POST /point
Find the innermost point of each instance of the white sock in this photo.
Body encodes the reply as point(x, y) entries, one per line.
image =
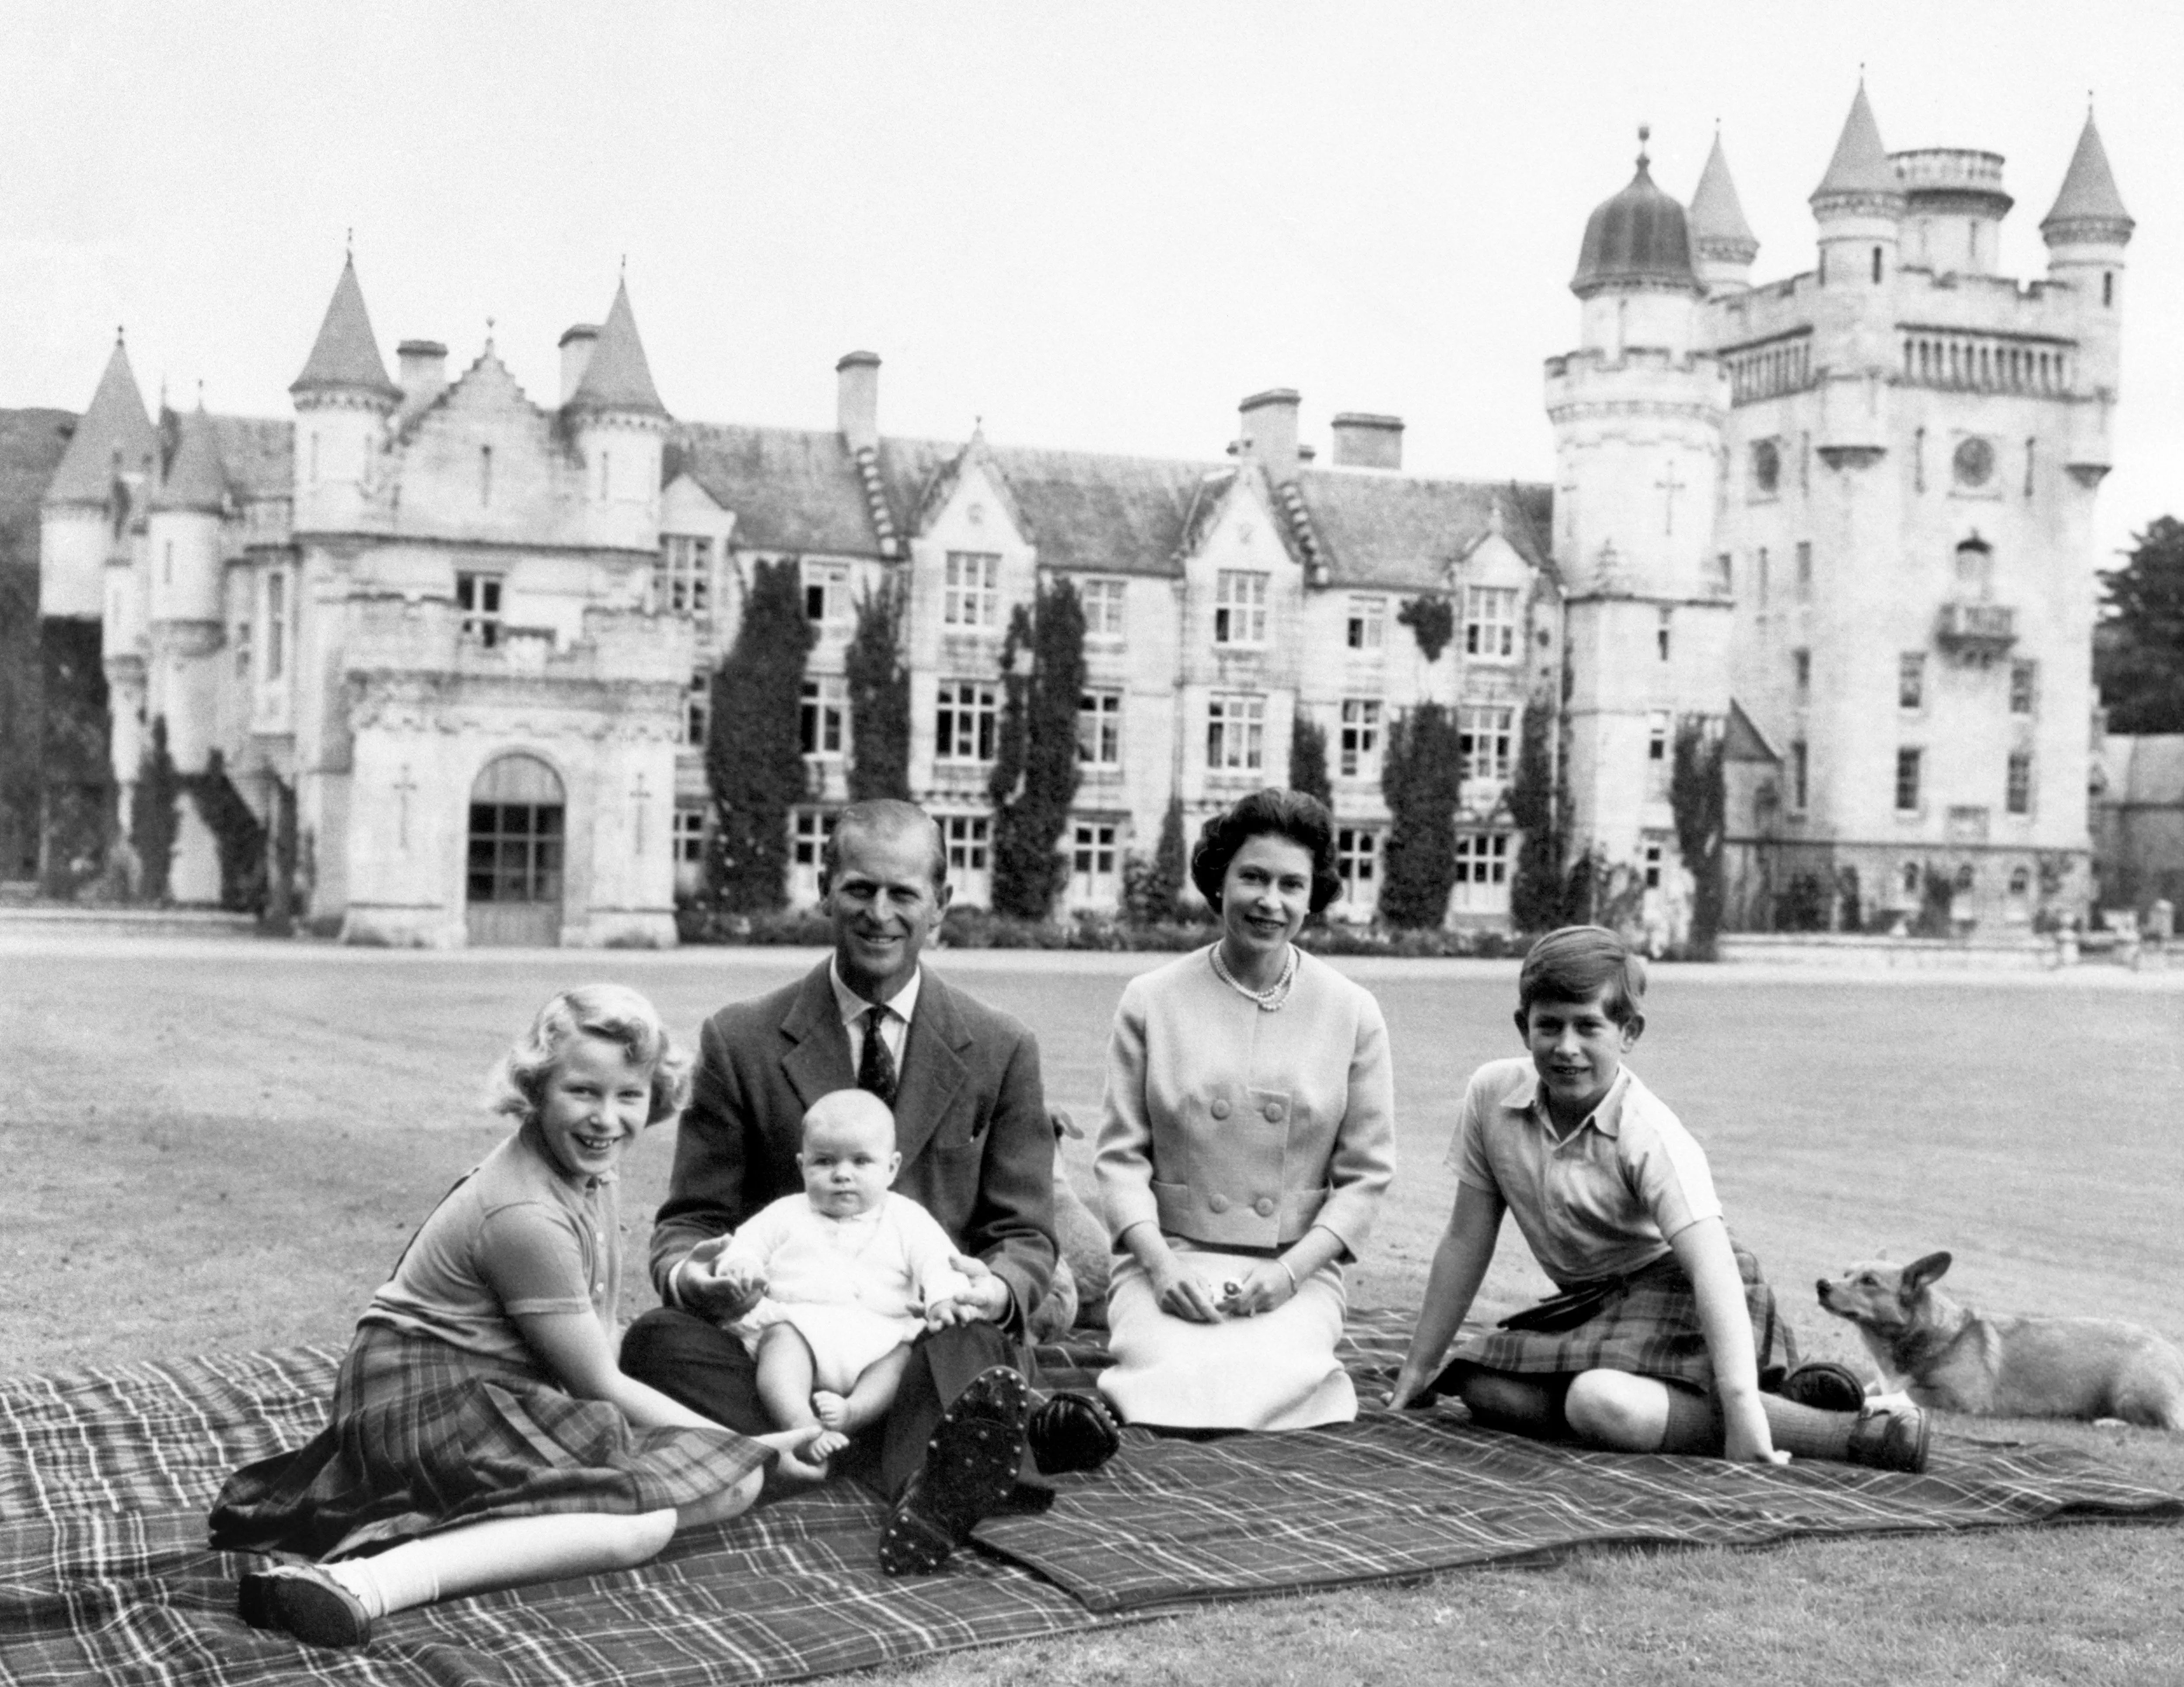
point(394, 1580)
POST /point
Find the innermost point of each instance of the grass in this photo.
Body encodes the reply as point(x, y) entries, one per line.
point(226, 1149)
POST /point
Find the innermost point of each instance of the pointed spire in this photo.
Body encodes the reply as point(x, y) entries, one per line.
point(114, 430)
point(2088, 206)
point(618, 377)
point(345, 357)
point(196, 478)
point(1717, 217)
point(1860, 166)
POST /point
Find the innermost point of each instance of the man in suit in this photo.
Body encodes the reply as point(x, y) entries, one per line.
point(978, 1154)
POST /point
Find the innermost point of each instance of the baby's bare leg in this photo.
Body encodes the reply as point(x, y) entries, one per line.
point(784, 1376)
point(874, 1392)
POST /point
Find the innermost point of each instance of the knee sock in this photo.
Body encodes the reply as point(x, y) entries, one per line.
point(1805, 1432)
point(1694, 1424)
point(1520, 1405)
point(501, 1552)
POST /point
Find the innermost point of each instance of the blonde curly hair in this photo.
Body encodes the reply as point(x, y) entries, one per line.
point(517, 1083)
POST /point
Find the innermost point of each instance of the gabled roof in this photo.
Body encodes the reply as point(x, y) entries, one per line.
point(345, 357)
point(2088, 193)
point(1404, 533)
point(1743, 741)
point(792, 489)
point(114, 423)
point(1860, 165)
point(617, 377)
point(194, 477)
point(1717, 217)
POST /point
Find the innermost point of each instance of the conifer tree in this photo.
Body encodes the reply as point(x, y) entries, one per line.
point(1698, 797)
point(1539, 887)
point(754, 760)
point(879, 699)
point(153, 820)
point(2138, 651)
point(1035, 772)
point(1308, 759)
point(1422, 777)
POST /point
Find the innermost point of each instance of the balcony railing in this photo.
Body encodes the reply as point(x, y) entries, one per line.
point(1976, 629)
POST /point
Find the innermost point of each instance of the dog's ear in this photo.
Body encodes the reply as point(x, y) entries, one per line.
point(1922, 1272)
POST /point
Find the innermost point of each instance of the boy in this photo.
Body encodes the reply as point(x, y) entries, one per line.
point(1657, 1341)
point(830, 1283)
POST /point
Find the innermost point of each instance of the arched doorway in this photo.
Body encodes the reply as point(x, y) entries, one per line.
point(513, 882)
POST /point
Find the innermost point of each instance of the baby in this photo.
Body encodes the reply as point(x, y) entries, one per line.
point(834, 1283)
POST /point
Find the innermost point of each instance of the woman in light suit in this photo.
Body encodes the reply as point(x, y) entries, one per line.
point(1248, 1136)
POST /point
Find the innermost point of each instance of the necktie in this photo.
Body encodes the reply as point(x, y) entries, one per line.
point(876, 1069)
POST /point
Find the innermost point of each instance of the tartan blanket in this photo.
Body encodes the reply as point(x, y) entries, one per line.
point(104, 1575)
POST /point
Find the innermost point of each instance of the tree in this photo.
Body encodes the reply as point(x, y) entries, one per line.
point(153, 820)
point(1697, 798)
point(879, 699)
point(1308, 759)
point(1035, 772)
point(1539, 890)
point(1151, 888)
point(1422, 777)
point(754, 756)
point(2138, 651)
point(75, 777)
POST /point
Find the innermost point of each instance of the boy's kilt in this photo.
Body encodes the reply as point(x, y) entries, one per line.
point(425, 1436)
point(1646, 1323)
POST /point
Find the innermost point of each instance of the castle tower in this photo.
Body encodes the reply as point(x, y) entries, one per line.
point(342, 401)
point(1722, 242)
point(1637, 416)
point(1859, 207)
point(618, 425)
point(84, 517)
point(2086, 232)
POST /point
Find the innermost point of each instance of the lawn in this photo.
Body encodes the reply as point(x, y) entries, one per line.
point(226, 1148)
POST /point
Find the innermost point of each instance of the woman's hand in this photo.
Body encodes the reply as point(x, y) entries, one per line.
point(1261, 1289)
point(1181, 1293)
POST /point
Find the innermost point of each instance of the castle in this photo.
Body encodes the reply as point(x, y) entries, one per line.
point(459, 641)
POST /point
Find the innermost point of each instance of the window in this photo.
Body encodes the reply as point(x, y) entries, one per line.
point(1907, 780)
point(1800, 775)
point(1490, 622)
point(1368, 627)
point(1102, 600)
point(823, 714)
point(478, 597)
point(2024, 687)
point(690, 837)
point(1092, 860)
point(827, 592)
point(1804, 570)
point(1650, 858)
point(698, 707)
point(1483, 736)
point(1910, 879)
point(1239, 607)
point(682, 578)
point(1099, 728)
point(809, 829)
point(2017, 793)
point(968, 838)
point(1235, 732)
point(276, 624)
point(969, 592)
point(1801, 673)
point(1482, 872)
point(1657, 754)
point(963, 727)
point(1911, 680)
point(1661, 628)
point(1357, 864)
point(2020, 881)
point(1360, 747)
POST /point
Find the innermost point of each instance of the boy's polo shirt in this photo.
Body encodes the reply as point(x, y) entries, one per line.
point(1602, 1201)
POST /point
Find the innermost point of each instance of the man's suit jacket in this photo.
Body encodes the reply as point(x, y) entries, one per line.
point(970, 1122)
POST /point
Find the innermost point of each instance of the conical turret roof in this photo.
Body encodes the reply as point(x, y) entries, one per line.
point(345, 358)
point(1717, 215)
point(2089, 193)
point(1860, 165)
point(114, 429)
point(195, 478)
point(617, 377)
point(1637, 238)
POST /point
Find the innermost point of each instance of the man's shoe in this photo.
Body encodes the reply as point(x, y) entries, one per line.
point(969, 1470)
point(1891, 1441)
point(1825, 1386)
point(1071, 1432)
point(303, 1600)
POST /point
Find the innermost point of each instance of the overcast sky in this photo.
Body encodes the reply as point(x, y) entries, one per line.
point(1096, 225)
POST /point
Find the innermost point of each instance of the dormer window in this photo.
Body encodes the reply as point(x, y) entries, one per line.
point(1239, 607)
point(971, 590)
point(1490, 622)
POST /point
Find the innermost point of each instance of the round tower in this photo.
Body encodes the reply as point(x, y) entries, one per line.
point(342, 401)
point(182, 552)
point(1859, 207)
point(617, 427)
point(1722, 241)
point(1953, 205)
point(2086, 232)
point(84, 515)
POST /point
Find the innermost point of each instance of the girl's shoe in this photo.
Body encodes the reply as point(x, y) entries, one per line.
point(304, 1601)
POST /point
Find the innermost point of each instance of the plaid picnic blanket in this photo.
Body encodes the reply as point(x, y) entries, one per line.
point(104, 1574)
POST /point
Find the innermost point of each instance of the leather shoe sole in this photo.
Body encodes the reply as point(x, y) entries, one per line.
point(304, 1601)
point(969, 1467)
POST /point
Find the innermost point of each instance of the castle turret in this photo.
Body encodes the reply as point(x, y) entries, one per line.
point(2086, 232)
point(618, 425)
point(182, 551)
point(342, 401)
point(95, 490)
point(1859, 207)
point(1952, 209)
point(1724, 245)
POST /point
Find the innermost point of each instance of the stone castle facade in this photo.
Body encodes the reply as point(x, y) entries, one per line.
point(467, 634)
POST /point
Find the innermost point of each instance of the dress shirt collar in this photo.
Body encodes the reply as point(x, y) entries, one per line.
point(852, 1006)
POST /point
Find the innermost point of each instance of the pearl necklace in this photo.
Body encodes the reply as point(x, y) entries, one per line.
point(1268, 1000)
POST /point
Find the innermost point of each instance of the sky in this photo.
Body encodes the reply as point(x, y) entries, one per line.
point(1096, 225)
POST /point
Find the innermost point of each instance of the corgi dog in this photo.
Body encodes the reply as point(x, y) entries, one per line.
point(1951, 1357)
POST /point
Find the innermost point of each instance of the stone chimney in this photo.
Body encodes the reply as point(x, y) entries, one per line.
point(576, 345)
point(857, 400)
point(1270, 432)
point(1363, 440)
point(424, 365)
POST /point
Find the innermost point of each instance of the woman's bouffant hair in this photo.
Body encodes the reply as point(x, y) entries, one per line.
point(1301, 818)
point(1573, 963)
point(613, 1012)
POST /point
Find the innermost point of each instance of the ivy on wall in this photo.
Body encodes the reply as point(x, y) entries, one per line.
point(153, 819)
point(1422, 777)
point(1697, 798)
point(879, 699)
point(1036, 770)
point(1308, 759)
point(754, 761)
point(1432, 622)
point(237, 835)
point(76, 779)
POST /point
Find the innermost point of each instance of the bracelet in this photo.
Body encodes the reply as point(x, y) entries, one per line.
point(1287, 1272)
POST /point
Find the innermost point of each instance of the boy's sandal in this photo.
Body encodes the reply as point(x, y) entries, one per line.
point(1823, 1385)
point(304, 1601)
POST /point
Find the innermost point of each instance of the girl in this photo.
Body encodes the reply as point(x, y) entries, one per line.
point(482, 1434)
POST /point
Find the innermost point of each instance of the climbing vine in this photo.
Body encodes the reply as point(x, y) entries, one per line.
point(753, 759)
point(1539, 888)
point(1035, 772)
point(1308, 759)
point(237, 835)
point(1432, 622)
point(1422, 777)
point(1698, 799)
point(879, 699)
